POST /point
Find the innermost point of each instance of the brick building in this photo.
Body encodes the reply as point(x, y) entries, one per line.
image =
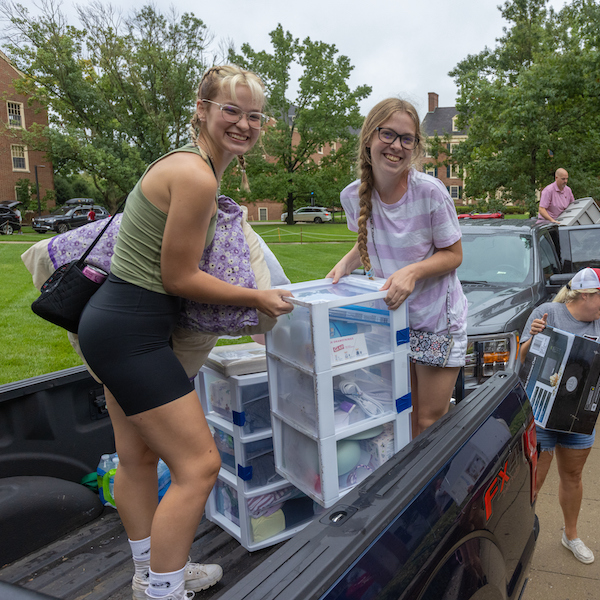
point(442, 121)
point(17, 161)
point(272, 209)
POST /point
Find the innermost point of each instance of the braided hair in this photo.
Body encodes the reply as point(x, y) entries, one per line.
point(380, 113)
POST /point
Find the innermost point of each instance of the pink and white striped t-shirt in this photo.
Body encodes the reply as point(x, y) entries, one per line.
point(409, 231)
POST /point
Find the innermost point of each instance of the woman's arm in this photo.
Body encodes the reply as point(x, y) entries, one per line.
point(537, 326)
point(345, 266)
point(191, 188)
point(402, 283)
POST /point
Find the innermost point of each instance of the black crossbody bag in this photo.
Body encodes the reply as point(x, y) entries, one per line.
point(66, 292)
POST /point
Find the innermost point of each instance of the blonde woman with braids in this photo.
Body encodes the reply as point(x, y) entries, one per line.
point(124, 334)
point(576, 309)
point(408, 232)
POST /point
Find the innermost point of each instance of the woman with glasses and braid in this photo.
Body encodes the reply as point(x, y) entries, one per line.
point(125, 330)
point(408, 233)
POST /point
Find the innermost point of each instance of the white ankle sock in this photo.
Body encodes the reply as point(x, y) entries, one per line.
point(163, 584)
point(140, 549)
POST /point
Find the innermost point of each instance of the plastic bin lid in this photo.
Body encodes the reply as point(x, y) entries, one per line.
point(238, 359)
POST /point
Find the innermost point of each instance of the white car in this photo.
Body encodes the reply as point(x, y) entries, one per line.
point(312, 214)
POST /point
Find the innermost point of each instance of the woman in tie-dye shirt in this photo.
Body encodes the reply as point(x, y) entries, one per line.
point(408, 232)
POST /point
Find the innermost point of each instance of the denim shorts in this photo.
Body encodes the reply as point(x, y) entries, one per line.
point(459, 349)
point(549, 439)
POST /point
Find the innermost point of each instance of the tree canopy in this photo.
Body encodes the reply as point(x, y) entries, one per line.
point(120, 91)
point(318, 110)
point(532, 104)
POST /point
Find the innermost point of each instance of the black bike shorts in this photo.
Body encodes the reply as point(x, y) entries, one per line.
point(124, 334)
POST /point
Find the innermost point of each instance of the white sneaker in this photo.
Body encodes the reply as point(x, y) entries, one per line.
point(178, 594)
point(197, 577)
point(581, 552)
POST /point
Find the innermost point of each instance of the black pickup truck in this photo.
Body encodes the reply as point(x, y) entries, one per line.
point(450, 517)
point(509, 267)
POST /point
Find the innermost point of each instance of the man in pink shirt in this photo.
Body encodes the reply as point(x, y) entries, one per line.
point(555, 198)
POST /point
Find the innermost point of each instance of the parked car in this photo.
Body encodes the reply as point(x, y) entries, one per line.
point(86, 201)
point(312, 214)
point(509, 267)
point(9, 221)
point(67, 217)
point(487, 215)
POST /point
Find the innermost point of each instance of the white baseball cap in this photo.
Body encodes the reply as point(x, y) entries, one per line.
point(586, 279)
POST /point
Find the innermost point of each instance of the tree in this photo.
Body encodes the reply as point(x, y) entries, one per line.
point(323, 111)
point(531, 104)
point(120, 91)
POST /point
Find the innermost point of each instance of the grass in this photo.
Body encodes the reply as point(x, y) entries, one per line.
point(32, 346)
point(304, 233)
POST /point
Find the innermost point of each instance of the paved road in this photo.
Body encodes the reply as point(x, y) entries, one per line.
point(555, 574)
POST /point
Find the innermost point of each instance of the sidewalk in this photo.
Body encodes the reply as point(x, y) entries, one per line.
point(555, 574)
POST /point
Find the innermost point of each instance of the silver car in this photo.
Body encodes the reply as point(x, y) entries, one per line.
point(311, 214)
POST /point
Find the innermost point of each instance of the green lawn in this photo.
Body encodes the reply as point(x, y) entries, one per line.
point(32, 346)
point(304, 233)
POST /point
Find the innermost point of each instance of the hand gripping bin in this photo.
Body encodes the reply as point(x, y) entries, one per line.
point(338, 372)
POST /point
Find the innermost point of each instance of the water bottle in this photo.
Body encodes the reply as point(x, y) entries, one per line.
point(106, 485)
point(94, 273)
point(104, 466)
point(164, 478)
point(111, 481)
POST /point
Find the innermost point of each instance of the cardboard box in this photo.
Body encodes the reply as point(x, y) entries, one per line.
point(561, 376)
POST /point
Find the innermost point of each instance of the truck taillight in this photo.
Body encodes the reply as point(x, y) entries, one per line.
point(530, 448)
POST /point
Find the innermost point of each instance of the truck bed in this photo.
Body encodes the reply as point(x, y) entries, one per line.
point(453, 508)
point(94, 562)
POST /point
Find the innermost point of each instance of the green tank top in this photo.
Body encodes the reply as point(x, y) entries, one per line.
point(137, 252)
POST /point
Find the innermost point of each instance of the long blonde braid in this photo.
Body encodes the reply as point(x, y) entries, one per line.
point(380, 113)
point(364, 195)
point(242, 163)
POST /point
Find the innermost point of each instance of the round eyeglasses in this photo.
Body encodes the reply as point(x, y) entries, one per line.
point(389, 136)
point(233, 114)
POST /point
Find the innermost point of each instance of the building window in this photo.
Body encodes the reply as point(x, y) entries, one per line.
point(454, 123)
point(15, 115)
point(432, 172)
point(320, 150)
point(454, 192)
point(453, 147)
point(426, 151)
point(454, 172)
point(262, 214)
point(19, 158)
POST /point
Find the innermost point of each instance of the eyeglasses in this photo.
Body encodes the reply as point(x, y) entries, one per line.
point(233, 114)
point(389, 136)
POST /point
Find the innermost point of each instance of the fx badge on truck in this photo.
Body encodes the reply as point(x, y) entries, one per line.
point(496, 486)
